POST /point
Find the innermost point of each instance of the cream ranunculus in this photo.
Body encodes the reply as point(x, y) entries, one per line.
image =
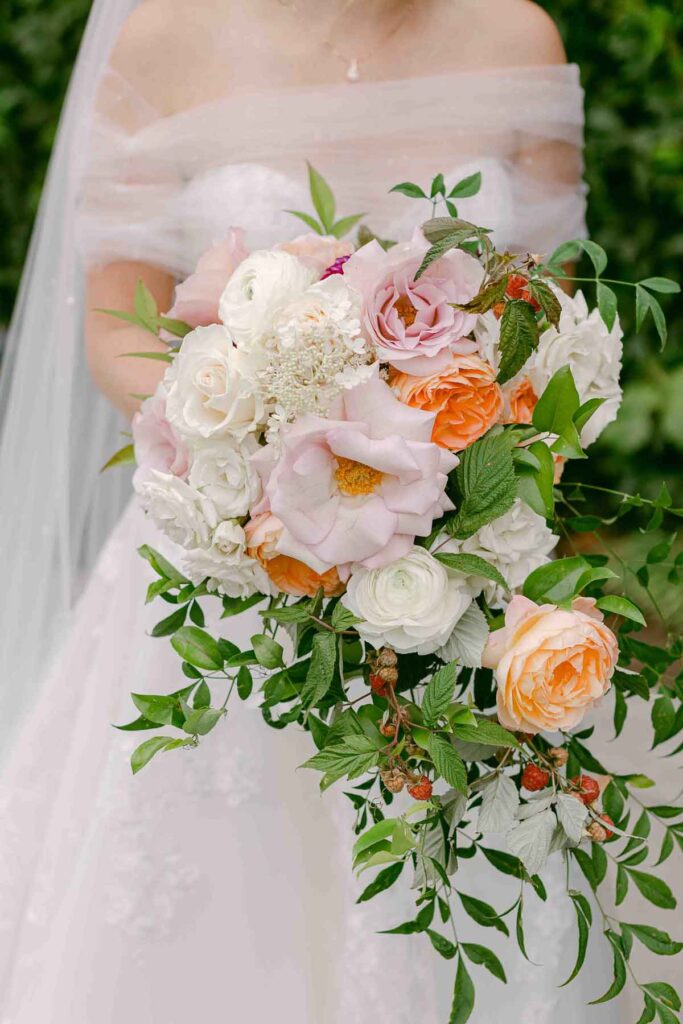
point(208, 395)
point(515, 544)
point(230, 570)
point(222, 471)
point(177, 508)
point(593, 353)
point(412, 604)
point(550, 664)
point(258, 289)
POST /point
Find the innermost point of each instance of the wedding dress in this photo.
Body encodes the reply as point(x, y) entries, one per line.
point(217, 885)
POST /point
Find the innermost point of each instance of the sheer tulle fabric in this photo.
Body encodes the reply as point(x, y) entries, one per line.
point(217, 884)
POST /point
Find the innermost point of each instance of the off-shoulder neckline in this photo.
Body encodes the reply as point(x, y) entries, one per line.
point(569, 72)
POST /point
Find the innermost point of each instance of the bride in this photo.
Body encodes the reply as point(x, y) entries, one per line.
point(219, 889)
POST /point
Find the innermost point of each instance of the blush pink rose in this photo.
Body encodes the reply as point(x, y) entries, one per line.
point(412, 323)
point(357, 487)
point(157, 446)
point(318, 252)
point(196, 299)
point(550, 664)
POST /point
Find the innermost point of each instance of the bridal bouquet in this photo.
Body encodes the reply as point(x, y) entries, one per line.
point(368, 442)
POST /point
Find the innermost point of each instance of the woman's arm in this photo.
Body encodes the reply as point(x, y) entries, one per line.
point(108, 339)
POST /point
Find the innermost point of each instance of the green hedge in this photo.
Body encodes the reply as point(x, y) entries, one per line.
point(632, 70)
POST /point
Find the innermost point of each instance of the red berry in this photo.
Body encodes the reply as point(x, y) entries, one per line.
point(378, 685)
point(589, 790)
point(608, 821)
point(421, 790)
point(518, 288)
point(534, 778)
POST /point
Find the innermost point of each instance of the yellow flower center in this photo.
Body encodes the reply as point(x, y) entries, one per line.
point(406, 310)
point(355, 477)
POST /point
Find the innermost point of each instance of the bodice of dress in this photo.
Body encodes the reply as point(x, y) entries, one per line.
point(161, 189)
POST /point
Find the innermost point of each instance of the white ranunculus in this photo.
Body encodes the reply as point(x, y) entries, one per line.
point(259, 288)
point(208, 394)
point(225, 562)
point(222, 471)
point(515, 544)
point(593, 353)
point(412, 605)
point(177, 508)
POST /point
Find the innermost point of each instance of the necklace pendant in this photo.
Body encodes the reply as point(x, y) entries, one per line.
point(352, 72)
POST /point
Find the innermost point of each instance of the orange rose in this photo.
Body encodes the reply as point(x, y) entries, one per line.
point(519, 402)
point(288, 574)
point(465, 397)
point(551, 665)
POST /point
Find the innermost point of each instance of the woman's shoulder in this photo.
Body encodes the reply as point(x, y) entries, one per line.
point(507, 33)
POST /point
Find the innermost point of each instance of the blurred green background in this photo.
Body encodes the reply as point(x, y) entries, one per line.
point(632, 69)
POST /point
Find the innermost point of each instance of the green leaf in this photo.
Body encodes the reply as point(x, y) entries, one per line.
point(130, 318)
point(556, 581)
point(535, 484)
point(122, 457)
point(664, 992)
point(489, 733)
point(597, 254)
point(309, 221)
point(438, 187)
point(345, 224)
point(155, 708)
point(442, 945)
point(621, 885)
point(519, 931)
point(268, 651)
point(145, 305)
point(202, 696)
point(663, 719)
point(161, 357)
point(345, 759)
point(555, 408)
point(384, 880)
point(439, 693)
point(202, 720)
point(342, 618)
point(463, 996)
point(485, 299)
point(518, 338)
point(161, 565)
point(486, 957)
point(171, 624)
point(483, 913)
point(584, 919)
point(448, 763)
point(655, 890)
point(656, 940)
point(486, 476)
point(607, 304)
point(244, 682)
point(472, 565)
point(619, 971)
point(195, 646)
point(661, 284)
point(614, 604)
point(321, 668)
point(547, 300)
point(323, 198)
point(408, 188)
point(143, 754)
point(176, 327)
point(466, 187)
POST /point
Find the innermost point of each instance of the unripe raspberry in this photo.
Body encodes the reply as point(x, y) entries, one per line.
point(387, 658)
point(389, 675)
point(560, 755)
point(388, 729)
point(589, 790)
point(393, 779)
point(421, 790)
point(608, 821)
point(535, 778)
point(378, 685)
point(597, 833)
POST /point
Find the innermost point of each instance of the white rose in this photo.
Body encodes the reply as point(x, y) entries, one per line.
point(208, 395)
point(593, 353)
point(259, 288)
point(185, 515)
point(515, 544)
point(226, 564)
point(222, 471)
point(412, 605)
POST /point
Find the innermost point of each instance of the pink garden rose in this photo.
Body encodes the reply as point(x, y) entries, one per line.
point(412, 323)
point(157, 446)
point(357, 487)
point(550, 664)
point(318, 252)
point(196, 299)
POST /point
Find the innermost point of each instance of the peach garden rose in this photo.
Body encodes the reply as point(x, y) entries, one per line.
point(550, 664)
point(288, 574)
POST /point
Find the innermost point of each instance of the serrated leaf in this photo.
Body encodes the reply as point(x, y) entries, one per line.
point(518, 338)
point(571, 814)
point(486, 476)
point(500, 800)
point(547, 300)
point(472, 565)
point(439, 693)
point(486, 732)
point(448, 763)
point(530, 840)
point(467, 641)
point(487, 298)
point(321, 668)
point(343, 618)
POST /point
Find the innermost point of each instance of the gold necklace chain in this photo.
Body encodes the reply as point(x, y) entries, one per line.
point(352, 62)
